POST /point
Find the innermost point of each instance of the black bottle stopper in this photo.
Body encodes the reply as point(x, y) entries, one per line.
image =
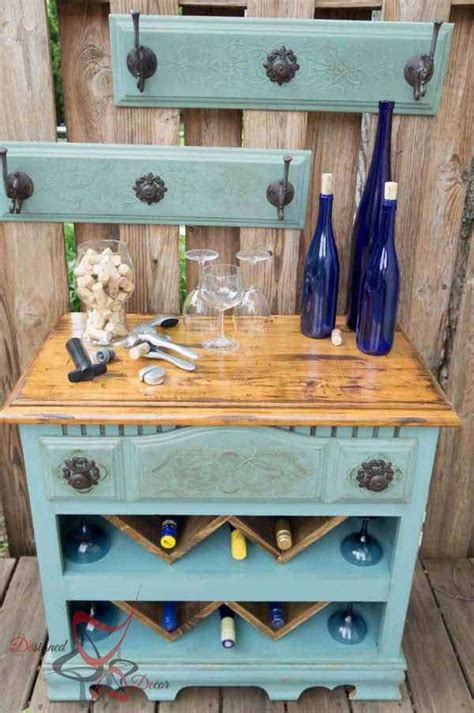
point(85, 370)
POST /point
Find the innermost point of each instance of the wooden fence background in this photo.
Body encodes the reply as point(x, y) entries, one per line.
point(431, 158)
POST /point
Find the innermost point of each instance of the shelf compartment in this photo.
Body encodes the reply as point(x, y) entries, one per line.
point(305, 531)
point(149, 613)
point(297, 613)
point(129, 572)
point(145, 530)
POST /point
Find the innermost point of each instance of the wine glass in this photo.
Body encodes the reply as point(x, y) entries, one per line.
point(86, 542)
point(222, 289)
point(104, 612)
point(360, 548)
point(347, 626)
point(198, 314)
point(253, 313)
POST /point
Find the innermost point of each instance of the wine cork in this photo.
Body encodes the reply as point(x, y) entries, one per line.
point(336, 337)
point(326, 184)
point(139, 350)
point(283, 536)
point(238, 545)
point(390, 191)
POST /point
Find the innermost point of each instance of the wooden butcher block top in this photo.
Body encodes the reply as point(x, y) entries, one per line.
point(280, 378)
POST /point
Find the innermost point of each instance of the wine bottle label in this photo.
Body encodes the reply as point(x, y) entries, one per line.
point(228, 632)
point(238, 545)
point(284, 539)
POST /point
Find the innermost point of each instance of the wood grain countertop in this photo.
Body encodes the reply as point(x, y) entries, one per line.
point(281, 378)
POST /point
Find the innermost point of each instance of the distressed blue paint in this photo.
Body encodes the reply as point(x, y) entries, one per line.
point(218, 62)
point(93, 183)
point(307, 656)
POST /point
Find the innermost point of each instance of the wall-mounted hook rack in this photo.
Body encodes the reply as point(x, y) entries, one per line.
point(18, 185)
point(420, 68)
point(280, 193)
point(141, 61)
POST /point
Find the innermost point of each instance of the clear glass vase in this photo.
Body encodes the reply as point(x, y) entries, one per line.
point(105, 280)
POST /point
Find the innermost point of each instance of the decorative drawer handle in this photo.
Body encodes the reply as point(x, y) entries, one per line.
point(420, 68)
point(141, 61)
point(375, 475)
point(81, 473)
point(150, 188)
point(18, 185)
point(281, 65)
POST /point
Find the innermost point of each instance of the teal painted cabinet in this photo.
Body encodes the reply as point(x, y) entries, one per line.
point(221, 464)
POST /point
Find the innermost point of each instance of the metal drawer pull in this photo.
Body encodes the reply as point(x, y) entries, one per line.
point(18, 185)
point(141, 61)
point(150, 188)
point(375, 475)
point(281, 65)
point(420, 68)
point(280, 193)
point(81, 473)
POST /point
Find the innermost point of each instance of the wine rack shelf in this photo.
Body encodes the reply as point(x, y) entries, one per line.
point(149, 614)
point(145, 530)
point(297, 613)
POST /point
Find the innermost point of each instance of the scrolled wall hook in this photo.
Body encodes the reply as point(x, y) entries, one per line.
point(280, 193)
point(420, 68)
point(141, 61)
point(18, 185)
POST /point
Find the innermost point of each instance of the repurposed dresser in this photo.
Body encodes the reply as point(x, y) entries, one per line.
point(285, 427)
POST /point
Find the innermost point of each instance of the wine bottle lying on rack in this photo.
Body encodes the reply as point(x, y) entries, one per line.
point(276, 615)
point(169, 616)
point(238, 544)
point(227, 627)
point(169, 533)
point(283, 536)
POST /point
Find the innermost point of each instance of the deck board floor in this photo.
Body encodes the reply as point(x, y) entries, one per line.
point(438, 644)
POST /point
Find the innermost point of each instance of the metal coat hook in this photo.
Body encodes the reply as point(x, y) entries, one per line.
point(280, 193)
point(420, 68)
point(141, 61)
point(18, 185)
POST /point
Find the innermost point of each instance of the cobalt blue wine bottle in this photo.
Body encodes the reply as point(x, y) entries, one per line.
point(369, 211)
point(321, 272)
point(381, 284)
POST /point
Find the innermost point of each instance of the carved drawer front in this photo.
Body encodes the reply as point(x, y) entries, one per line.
point(227, 463)
point(377, 470)
point(85, 468)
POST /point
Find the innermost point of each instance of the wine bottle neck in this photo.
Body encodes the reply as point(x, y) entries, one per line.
point(325, 211)
point(389, 209)
point(382, 147)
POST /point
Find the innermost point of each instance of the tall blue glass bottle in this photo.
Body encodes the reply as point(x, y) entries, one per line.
point(321, 272)
point(369, 211)
point(380, 285)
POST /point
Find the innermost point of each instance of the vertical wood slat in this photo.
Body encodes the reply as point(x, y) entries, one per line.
point(277, 129)
point(92, 117)
point(212, 127)
point(430, 162)
point(28, 305)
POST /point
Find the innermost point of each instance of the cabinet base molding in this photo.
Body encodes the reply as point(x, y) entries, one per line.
point(372, 680)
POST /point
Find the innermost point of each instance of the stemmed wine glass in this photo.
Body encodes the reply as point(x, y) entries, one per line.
point(347, 626)
point(253, 312)
point(198, 314)
point(360, 548)
point(222, 289)
point(86, 542)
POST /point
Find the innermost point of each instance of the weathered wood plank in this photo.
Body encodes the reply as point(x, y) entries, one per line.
point(450, 520)
point(402, 706)
point(452, 582)
point(244, 700)
point(322, 701)
point(40, 703)
point(7, 565)
point(136, 703)
point(262, 129)
point(428, 650)
point(21, 622)
point(193, 700)
point(28, 305)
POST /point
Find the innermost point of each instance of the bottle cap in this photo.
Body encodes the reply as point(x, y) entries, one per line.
point(238, 545)
point(326, 183)
point(390, 191)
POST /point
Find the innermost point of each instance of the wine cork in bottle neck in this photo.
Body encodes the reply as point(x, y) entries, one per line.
point(390, 191)
point(326, 184)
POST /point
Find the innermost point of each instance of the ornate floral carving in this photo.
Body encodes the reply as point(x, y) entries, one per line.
point(241, 473)
point(150, 188)
point(81, 473)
